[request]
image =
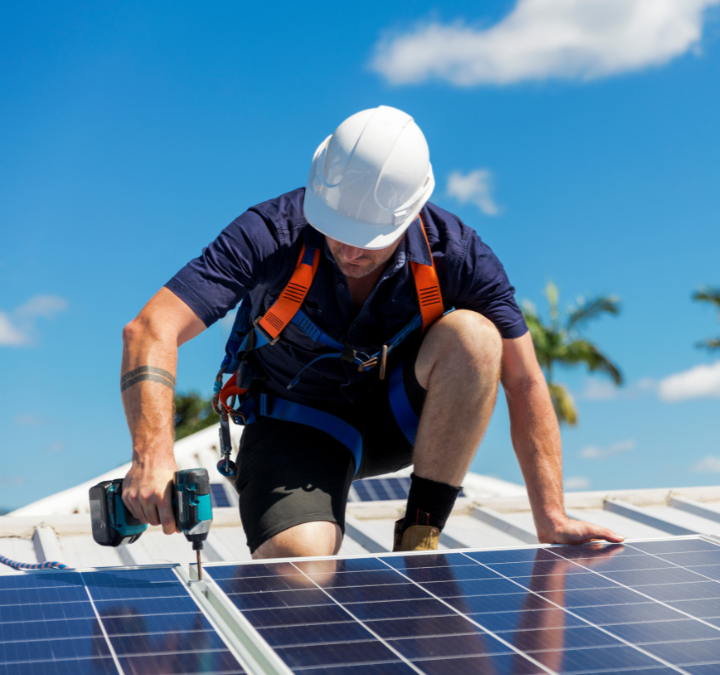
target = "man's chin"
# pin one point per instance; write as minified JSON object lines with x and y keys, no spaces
{"x":356,"y":271}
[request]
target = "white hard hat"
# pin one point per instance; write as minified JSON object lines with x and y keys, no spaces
{"x":369,"y":180}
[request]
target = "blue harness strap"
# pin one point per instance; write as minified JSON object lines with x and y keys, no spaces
{"x":403,"y":412}
{"x":238,"y":338}
{"x":280,"y":409}
{"x":302,"y":321}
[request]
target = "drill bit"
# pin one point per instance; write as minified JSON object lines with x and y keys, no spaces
{"x":199,"y":566}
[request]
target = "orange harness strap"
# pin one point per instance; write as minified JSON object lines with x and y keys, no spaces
{"x":280,"y":313}
{"x":428,"y":288}
{"x":292,"y":297}
{"x":229,"y":390}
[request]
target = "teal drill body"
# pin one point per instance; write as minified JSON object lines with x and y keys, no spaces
{"x":114,"y":525}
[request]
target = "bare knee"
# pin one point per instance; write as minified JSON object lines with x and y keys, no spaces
{"x":318,"y":538}
{"x":462,"y":339}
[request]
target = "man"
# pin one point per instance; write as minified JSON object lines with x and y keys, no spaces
{"x":338,"y":394}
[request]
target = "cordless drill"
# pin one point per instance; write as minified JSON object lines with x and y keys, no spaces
{"x":114,"y":525}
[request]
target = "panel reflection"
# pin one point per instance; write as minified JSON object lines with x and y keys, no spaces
{"x":542,"y":629}
{"x":148,"y":643}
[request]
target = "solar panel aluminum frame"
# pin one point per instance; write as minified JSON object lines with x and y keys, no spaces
{"x":253,"y":643}
{"x":256,"y":655}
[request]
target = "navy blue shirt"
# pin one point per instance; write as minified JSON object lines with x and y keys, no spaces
{"x":255,"y":257}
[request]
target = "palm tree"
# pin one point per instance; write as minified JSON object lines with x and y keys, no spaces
{"x":193,"y":412}
{"x":559,"y":342}
{"x":712,"y":296}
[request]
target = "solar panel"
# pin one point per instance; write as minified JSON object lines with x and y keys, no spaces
{"x":646,"y":607}
{"x":218,"y":496}
{"x":380,"y":489}
{"x":101,"y":622}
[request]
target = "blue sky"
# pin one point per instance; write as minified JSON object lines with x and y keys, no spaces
{"x":131,"y":134}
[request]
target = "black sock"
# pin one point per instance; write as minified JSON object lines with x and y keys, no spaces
{"x":429,"y":502}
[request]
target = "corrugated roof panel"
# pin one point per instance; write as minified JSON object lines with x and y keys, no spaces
{"x":626,"y":527}
{"x":164,"y":548}
{"x":684,"y":519}
{"x":17,"y":549}
{"x":77,"y":550}
{"x":474,"y":533}
{"x":233,"y":538}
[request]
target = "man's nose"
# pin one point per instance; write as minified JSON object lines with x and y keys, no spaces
{"x":351,"y":253}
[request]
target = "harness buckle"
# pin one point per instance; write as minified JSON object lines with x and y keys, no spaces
{"x":383,"y":361}
{"x":263,"y":332}
{"x":379,"y":358}
{"x":367,"y":365}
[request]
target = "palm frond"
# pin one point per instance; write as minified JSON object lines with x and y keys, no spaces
{"x":544,"y":339}
{"x":711,"y":344}
{"x":584,"y":310}
{"x":563,"y":404}
{"x":554,"y":343}
{"x":551,"y":293}
{"x":582,"y":351}
{"x":711,"y":295}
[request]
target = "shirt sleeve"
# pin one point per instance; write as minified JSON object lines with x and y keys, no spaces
{"x":484,"y":287}
{"x":240,"y":259}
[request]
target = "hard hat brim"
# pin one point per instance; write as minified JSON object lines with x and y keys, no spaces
{"x":348,"y":230}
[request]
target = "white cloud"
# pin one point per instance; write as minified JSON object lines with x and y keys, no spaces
{"x":576,"y":483}
{"x":55,"y":447}
{"x":9,"y":334}
{"x":14,"y":481}
{"x":699,"y":382}
{"x":540,"y":39}
{"x":17,"y":328}
{"x":476,"y":187}
{"x":46,"y":306}
{"x":709,"y":464}
{"x":31,"y":420}
{"x":599,"y":390}
{"x":604,"y":390}
{"x":594,"y":452}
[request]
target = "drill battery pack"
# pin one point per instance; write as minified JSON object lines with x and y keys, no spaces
{"x":112,"y":523}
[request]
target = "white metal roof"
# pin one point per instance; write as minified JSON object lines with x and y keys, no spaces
{"x":494,"y":513}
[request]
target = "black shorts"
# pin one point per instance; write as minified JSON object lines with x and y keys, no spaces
{"x":290,"y":473}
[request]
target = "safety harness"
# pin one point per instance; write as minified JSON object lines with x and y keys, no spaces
{"x":232,"y":401}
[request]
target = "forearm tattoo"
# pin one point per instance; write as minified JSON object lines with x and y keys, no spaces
{"x":147,"y":373}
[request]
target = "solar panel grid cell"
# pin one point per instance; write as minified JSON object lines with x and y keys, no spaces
{"x":374,"y":489}
{"x":566,"y":609}
{"x":140,"y":621}
{"x":379,"y":489}
{"x":218,"y":496}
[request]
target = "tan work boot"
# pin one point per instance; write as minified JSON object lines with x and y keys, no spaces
{"x":415,"y":538}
